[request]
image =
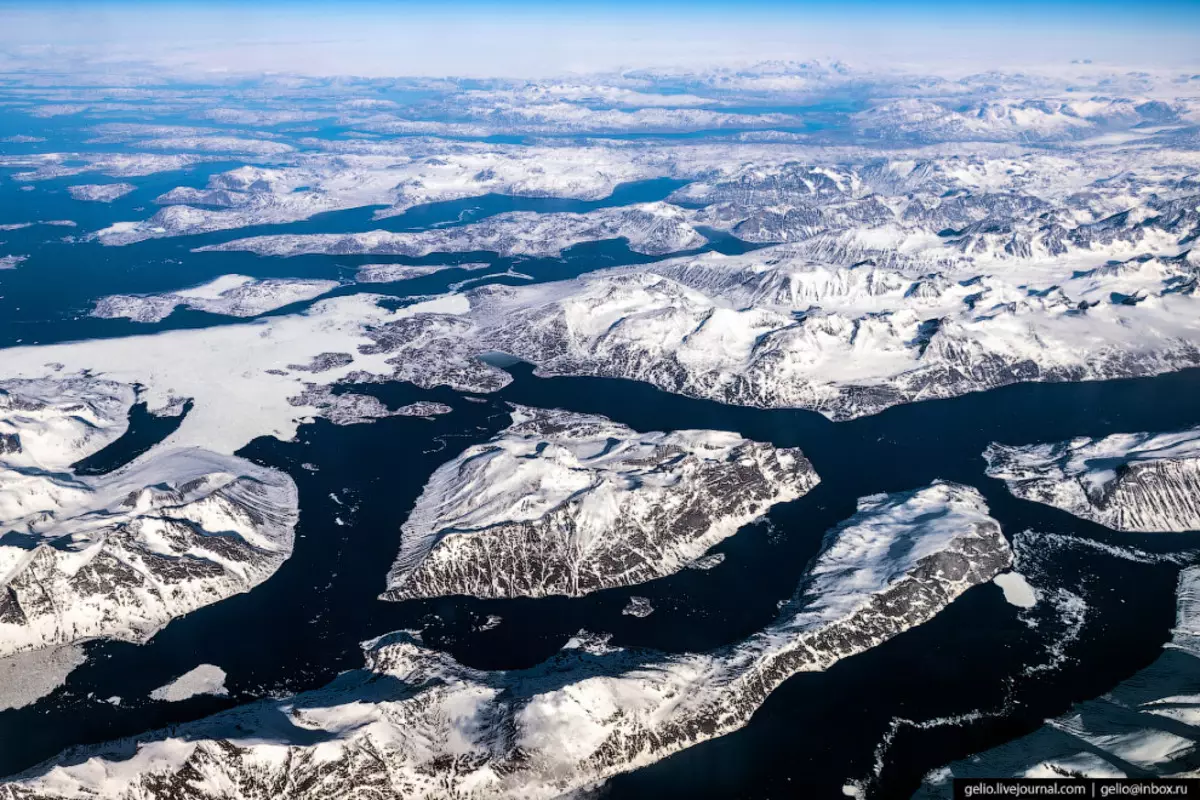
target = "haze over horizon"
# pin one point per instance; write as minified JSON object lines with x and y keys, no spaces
{"x":536,"y":39}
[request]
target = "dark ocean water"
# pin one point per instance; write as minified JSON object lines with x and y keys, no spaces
{"x":304,"y":625}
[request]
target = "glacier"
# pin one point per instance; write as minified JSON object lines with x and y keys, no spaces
{"x":566,"y":503}
{"x":1127,"y":481}
{"x":416,"y":723}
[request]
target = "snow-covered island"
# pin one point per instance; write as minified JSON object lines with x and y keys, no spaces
{"x":417,"y":723}
{"x":230,"y":295}
{"x":351,"y":408}
{"x":649,"y":228}
{"x":101,"y":192}
{"x":567,"y":503}
{"x":393,"y":273}
{"x":1127,"y":481}
{"x":121,"y":554}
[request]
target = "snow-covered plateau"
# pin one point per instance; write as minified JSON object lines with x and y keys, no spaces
{"x":921,"y":205}
{"x":1145,"y":727}
{"x":121,"y":554}
{"x":415,"y":723}
{"x":1127,"y":481}
{"x":566,"y":503}
{"x":231,"y":295}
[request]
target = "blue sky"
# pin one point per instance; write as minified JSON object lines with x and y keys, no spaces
{"x":526,"y":38}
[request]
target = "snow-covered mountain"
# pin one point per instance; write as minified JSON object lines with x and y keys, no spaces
{"x":566,"y":503}
{"x":849,"y":203}
{"x":1127,"y":481}
{"x":49,"y":424}
{"x":895,"y":236}
{"x":417,"y":724}
{"x":1004,"y":119}
{"x":956,"y":211}
{"x":119,"y":555}
{"x":771,"y":329}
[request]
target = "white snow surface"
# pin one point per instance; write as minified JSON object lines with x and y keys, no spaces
{"x":591,"y":712}
{"x":397,"y":178}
